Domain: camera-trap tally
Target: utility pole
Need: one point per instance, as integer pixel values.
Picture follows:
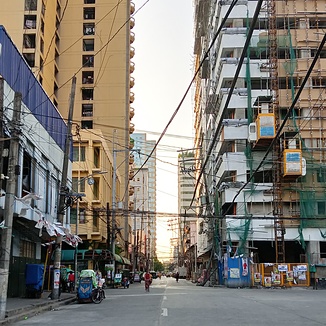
(114, 180)
(134, 263)
(77, 212)
(108, 213)
(9, 204)
(60, 212)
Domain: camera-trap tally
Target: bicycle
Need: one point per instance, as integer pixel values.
(98, 295)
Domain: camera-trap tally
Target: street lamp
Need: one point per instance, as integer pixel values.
(90, 182)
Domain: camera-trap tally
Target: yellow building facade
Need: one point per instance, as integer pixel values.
(92, 40)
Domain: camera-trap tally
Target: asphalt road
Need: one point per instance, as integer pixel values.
(170, 303)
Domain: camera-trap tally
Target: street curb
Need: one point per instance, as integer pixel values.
(31, 311)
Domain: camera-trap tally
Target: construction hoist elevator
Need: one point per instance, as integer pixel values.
(279, 229)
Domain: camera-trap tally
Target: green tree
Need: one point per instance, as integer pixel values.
(158, 266)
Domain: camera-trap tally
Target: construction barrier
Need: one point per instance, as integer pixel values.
(280, 275)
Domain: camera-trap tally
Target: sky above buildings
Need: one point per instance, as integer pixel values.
(163, 71)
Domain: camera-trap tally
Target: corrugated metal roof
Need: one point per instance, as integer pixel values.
(19, 76)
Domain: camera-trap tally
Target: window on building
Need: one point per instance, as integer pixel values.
(88, 77)
(27, 249)
(87, 110)
(96, 218)
(42, 46)
(201, 227)
(75, 154)
(81, 182)
(294, 113)
(30, 59)
(29, 41)
(73, 215)
(321, 175)
(30, 5)
(87, 124)
(42, 26)
(97, 157)
(88, 45)
(321, 208)
(322, 248)
(87, 94)
(88, 61)
(96, 189)
(322, 53)
(27, 174)
(89, 29)
(89, 1)
(30, 21)
(89, 13)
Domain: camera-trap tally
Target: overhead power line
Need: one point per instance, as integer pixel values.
(189, 86)
(243, 54)
(289, 112)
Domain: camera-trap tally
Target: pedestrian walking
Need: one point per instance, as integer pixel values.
(177, 277)
(71, 281)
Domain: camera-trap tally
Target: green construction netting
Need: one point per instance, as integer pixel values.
(311, 201)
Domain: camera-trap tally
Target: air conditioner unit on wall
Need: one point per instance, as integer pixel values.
(252, 130)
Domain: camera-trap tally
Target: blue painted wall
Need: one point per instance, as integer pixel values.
(19, 76)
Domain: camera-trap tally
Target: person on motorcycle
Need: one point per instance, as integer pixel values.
(148, 280)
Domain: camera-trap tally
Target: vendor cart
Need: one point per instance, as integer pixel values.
(117, 279)
(87, 282)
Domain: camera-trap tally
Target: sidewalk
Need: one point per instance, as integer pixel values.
(22, 308)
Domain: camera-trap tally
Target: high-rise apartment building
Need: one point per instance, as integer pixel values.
(142, 148)
(187, 214)
(92, 40)
(141, 225)
(260, 130)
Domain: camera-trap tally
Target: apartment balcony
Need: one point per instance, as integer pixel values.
(131, 159)
(234, 129)
(228, 66)
(132, 37)
(132, 22)
(259, 193)
(131, 174)
(131, 143)
(239, 98)
(132, 8)
(132, 52)
(131, 112)
(131, 128)
(132, 67)
(132, 82)
(235, 161)
(132, 97)
(25, 210)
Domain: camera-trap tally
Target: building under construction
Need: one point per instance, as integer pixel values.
(259, 119)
